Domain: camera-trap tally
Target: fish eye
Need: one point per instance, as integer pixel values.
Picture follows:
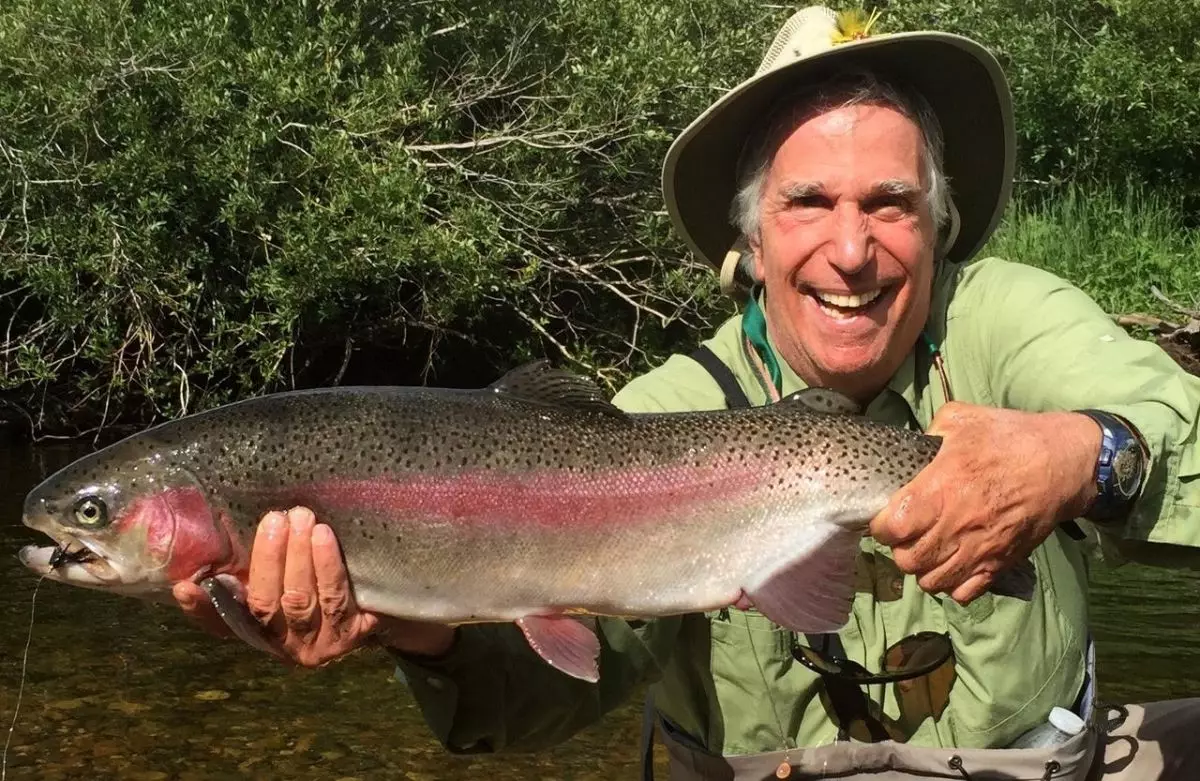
(91, 512)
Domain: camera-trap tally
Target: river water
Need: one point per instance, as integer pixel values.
(119, 688)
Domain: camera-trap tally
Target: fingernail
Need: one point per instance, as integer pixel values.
(273, 525)
(301, 520)
(322, 534)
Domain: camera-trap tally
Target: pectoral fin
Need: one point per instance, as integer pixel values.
(567, 644)
(814, 592)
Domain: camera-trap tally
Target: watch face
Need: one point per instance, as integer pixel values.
(1127, 469)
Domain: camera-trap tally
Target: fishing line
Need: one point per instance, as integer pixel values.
(21, 688)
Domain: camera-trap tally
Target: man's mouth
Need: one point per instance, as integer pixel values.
(845, 306)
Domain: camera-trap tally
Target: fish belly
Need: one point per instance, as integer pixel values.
(483, 569)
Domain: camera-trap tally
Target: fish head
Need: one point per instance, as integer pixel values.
(126, 520)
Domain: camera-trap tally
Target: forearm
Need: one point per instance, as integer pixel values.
(490, 692)
(1056, 350)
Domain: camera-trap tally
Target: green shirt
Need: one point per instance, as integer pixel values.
(1010, 336)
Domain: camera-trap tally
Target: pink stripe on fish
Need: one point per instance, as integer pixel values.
(549, 498)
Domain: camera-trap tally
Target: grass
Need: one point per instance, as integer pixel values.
(1115, 244)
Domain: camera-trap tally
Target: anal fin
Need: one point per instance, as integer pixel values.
(815, 592)
(566, 643)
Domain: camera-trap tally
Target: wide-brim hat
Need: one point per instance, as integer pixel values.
(961, 81)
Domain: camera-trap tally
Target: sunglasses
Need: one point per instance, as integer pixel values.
(912, 657)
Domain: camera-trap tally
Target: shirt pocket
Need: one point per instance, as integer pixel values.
(758, 685)
(1015, 660)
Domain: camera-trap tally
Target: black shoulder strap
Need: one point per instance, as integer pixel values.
(735, 397)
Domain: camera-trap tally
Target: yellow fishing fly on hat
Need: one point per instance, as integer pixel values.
(961, 81)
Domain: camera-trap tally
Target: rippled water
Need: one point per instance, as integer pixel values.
(118, 688)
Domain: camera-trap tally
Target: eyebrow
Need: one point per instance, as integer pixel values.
(897, 187)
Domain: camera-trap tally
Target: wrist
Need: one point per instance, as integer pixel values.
(1077, 438)
(1089, 438)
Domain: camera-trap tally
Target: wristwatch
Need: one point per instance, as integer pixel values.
(1120, 468)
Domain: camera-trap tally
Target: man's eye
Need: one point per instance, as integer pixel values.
(889, 204)
(809, 202)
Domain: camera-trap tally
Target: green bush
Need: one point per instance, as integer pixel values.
(1102, 89)
(207, 200)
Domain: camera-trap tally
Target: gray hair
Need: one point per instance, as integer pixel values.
(843, 91)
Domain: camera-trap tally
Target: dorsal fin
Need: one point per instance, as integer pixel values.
(825, 400)
(540, 382)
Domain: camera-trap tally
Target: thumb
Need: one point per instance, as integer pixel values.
(892, 525)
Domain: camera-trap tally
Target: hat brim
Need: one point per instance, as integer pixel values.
(962, 82)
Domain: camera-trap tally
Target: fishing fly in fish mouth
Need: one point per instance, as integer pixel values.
(70, 559)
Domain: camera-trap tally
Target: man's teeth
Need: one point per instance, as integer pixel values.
(849, 302)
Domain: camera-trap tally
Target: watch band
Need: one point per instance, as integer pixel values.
(1120, 468)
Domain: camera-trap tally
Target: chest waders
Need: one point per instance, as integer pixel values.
(885, 760)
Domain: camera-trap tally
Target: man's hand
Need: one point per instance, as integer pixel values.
(999, 485)
(298, 589)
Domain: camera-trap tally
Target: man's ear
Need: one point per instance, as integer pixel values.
(756, 267)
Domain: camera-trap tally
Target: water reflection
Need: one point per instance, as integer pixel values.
(118, 688)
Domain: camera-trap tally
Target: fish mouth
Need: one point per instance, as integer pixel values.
(70, 560)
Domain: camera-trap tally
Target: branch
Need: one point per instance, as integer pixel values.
(1192, 314)
(1140, 320)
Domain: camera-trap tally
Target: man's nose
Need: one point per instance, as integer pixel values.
(851, 240)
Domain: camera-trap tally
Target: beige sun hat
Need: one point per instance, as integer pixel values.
(961, 81)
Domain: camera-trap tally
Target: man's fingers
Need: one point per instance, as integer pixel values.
(267, 558)
(946, 576)
(333, 585)
(924, 553)
(299, 598)
(194, 602)
(972, 589)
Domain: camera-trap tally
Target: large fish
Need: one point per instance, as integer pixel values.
(533, 501)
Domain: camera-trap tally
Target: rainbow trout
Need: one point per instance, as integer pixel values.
(532, 501)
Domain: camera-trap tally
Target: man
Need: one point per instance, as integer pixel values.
(862, 172)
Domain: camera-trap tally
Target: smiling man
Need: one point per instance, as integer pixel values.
(843, 192)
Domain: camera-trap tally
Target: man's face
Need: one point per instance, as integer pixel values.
(845, 248)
